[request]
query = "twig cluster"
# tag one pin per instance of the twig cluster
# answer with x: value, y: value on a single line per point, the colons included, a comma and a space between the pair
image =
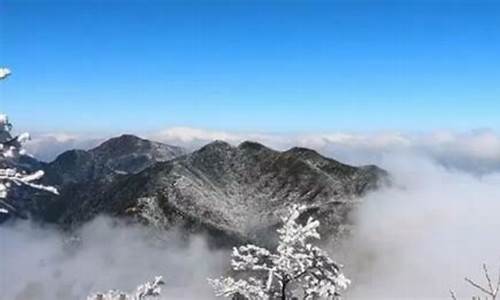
x: 490, y: 290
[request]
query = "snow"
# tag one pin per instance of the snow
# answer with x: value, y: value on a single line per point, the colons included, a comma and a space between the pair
x: 296, y: 267
x: 148, y: 290
x: 10, y: 149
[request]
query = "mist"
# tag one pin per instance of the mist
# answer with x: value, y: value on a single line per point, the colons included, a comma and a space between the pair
x: 419, y: 238
x: 44, y: 264
x: 415, y: 239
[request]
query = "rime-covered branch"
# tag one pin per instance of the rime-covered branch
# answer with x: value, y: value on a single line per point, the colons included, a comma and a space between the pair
x: 148, y: 290
x: 491, y: 289
x: 295, y: 267
x: 10, y: 174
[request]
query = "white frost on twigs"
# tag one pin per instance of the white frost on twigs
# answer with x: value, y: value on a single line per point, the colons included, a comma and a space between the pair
x: 148, y: 290
x: 252, y: 289
x: 10, y: 150
x: 20, y: 179
x: 23, y: 137
x: 295, y: 268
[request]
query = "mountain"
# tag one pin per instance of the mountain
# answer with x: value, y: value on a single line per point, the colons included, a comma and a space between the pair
x: 126, y: 154
x: 230, y: 192
x: 80, y: 175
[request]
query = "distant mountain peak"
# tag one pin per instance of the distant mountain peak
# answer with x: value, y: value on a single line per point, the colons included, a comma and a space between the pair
x: 122, y: 143
x: 303, y: 151
x: 216, y: 146
x: 125, y: 154
x: 72, y: 155
x: 252, y: 146
x: 125, y: 138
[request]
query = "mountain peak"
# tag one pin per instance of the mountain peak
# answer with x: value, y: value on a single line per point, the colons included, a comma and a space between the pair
x: 124, y: 140
x: 219, y: 145
x: 125, y: 154
x: 252, y: 145
x: 303, y: 151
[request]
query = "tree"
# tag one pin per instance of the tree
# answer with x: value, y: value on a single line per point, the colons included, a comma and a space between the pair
x: 10, y: 173
x: 148, y: 290
x: 490, y: 290
x: 296, y: 268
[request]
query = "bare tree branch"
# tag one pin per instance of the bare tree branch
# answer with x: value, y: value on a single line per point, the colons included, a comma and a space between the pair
x: 452, y: 294
x: 477, y: 286
x: 488, y: 279
x: 498, y: 283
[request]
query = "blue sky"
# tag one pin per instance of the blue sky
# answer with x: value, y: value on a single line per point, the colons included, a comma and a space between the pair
x: 252, y: 66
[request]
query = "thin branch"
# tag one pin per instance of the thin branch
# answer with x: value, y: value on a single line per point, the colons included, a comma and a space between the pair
x: 498, y: 283
x: 477, y: 286
x: 488, y: 279
x: 453, y: 296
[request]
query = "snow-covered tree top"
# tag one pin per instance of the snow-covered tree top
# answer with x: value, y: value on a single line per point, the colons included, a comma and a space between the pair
x: 148, y: 290
x: 10, y: 174
x: 296, y: 267
x: 4, y: 122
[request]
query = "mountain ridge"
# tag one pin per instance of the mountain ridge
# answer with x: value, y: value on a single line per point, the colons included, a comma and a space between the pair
x: 231, y: 192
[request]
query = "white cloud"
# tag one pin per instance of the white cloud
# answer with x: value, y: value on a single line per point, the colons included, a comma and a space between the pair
x: 189, y: 134
x: 414, y: 240
x: 108, y: 254
x: 420, y: 237
x: 477, y: 150
x: 191, y: 138
x: 47, y: 146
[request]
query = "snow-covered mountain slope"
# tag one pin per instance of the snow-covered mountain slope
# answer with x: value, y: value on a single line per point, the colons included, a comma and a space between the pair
x: 80, y: 175
x: 126, y: 154
x: 233, y: 192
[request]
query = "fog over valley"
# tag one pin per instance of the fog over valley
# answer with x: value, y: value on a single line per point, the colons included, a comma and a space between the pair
x: 433, y: 225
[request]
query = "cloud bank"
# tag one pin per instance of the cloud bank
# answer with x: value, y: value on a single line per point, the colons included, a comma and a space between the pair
x: 461, y: 149
x: 414, y: 240
x: 477, y: 151
x: 47, y: 146
x: 417, y: 239
x: 420, y: 237
x: 43, y: 264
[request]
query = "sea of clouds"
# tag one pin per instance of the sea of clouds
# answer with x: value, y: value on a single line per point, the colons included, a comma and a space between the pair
x: 45, y: 264
x: 438, y: 222
x: 475, y: 151
x: 420, y: 237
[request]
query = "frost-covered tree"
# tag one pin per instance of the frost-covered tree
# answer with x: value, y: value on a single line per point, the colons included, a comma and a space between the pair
x: 148, y: 290
x: 296, y: 268
x: 10, y: 173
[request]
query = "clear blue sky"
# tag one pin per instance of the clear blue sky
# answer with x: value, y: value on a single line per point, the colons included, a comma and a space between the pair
x: 253, y: 65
